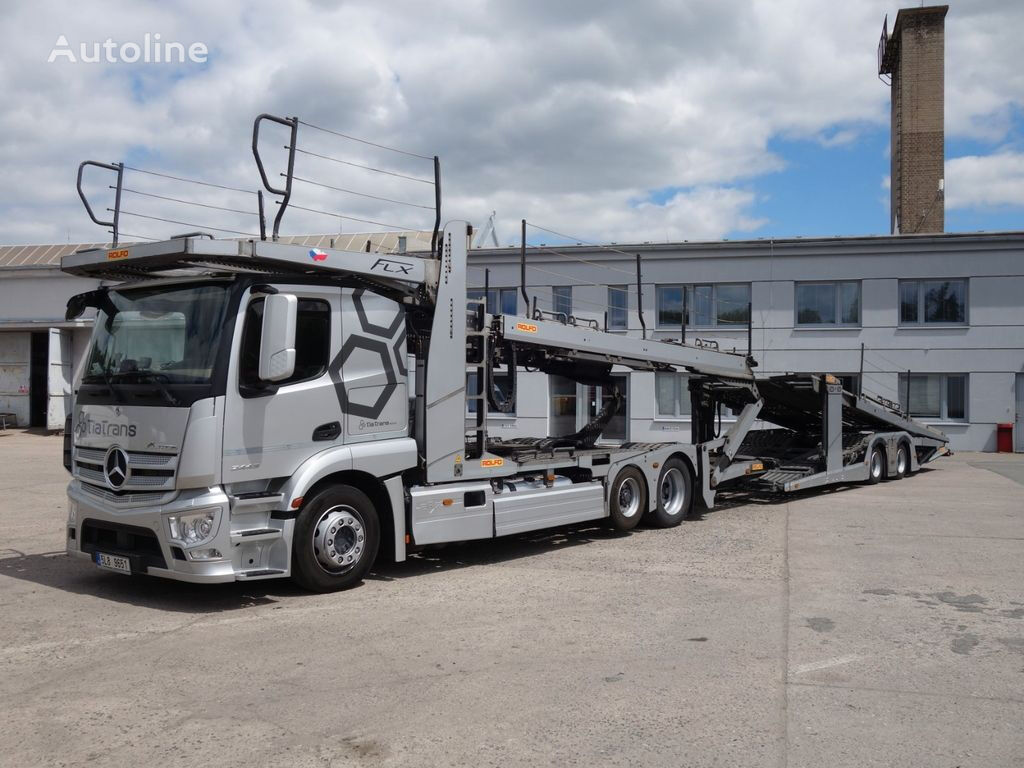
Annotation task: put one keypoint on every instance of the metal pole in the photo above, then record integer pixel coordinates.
(640, 298)
(686, 310)
(117, 201)
(437, 208)
(263, 218)
(522, 265)
(750, 329)
(860, 378)
(908, 393)
(487, 289)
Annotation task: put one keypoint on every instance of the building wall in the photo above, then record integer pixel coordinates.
(989, 347)
(34, 300)
(14, 375)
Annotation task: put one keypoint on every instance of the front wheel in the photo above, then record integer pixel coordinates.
(335, 539)
(627, 499)
(675, 494)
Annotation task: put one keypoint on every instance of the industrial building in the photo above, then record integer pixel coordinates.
(933, 321)
(944, 308)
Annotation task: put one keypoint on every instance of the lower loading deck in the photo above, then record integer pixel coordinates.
(536, 452)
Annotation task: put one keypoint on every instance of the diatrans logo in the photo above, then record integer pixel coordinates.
(150, 51)
(88, 426)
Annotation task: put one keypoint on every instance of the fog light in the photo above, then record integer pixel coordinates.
(72, 511)
(193, 528)
(205, 554)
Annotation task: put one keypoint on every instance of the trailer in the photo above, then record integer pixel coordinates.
(251, 409)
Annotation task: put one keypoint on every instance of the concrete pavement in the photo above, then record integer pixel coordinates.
(878, 625)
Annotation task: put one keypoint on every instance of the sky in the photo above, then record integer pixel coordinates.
(607, 121)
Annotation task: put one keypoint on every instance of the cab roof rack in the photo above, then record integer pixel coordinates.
(198, 251)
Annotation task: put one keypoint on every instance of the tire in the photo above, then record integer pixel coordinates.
(627, 499)
(876, 466)
(675, 494)
(337, 516)
(902, 461)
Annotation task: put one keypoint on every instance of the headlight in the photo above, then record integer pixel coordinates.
(193, 528)
(72, 511)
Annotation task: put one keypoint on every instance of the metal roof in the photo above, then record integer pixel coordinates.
(13, 256)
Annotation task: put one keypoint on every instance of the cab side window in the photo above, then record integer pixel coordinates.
(312, 345)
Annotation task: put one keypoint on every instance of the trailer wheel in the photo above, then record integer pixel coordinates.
(902, 461)
(627, 499)
(335, 540)
(876, 466)
(675, 494)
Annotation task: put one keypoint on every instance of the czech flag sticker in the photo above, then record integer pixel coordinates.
(317, 255)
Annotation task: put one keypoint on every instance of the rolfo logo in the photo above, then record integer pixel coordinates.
(150, 50)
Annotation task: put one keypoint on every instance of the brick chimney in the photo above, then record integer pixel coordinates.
(913, 56)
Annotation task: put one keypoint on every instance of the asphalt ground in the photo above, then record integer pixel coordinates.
(873, 625)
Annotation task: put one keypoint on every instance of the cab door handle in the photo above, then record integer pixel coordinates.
(327, 431)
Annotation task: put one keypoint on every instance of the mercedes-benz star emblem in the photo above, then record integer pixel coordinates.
(115, 467)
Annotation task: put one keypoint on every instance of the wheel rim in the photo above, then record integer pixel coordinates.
(673, 492)
(339, 539)
(901, 461)
(629, 497)
(876, 464)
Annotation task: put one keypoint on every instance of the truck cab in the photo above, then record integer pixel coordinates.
(207, 407)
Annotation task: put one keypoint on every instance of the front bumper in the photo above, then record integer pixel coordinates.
(141, 534)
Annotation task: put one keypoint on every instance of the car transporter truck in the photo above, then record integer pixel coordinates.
(250, 409)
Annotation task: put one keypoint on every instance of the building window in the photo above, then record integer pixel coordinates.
(933, 301)
(500, 301)
(828, 303)
(562, 392)
(850, 381)
(707, 306)
(940, 396)
(618, 307)
(502, 380)
(561, 299)
(672, 395)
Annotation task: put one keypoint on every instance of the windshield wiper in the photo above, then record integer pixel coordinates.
(160, 379)
(108, 380)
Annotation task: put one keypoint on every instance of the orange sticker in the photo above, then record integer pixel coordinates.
(526, 327)
(492, 462)
(121, 253)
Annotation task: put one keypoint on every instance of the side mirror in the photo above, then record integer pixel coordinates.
(277, 339)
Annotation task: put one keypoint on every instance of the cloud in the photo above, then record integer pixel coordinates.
(569, 112)
(985, 181)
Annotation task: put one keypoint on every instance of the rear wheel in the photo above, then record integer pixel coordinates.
(335, 540)
(902, 461)
(627, 499)
(876, 466)
(675, 494)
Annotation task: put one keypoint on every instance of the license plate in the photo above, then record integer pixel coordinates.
(113, 562)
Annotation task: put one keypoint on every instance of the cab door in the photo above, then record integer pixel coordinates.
(269, 429)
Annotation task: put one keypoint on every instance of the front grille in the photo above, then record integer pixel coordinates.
(140, 545)
(145, 470)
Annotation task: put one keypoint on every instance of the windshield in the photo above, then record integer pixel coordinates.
(165, 341)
